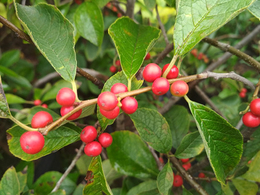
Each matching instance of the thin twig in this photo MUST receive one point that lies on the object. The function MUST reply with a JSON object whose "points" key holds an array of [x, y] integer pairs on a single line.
{"points": [[164, 53], [130, 8], [199, 166], [227, 36], [72, 164], [159, 164], [90, 77], [161, 26]]}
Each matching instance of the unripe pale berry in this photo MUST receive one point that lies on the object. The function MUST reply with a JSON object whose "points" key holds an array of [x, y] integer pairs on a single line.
{"points": [[41, 119], [32, 142], [148, 56], [118, 88], [151, 72], [66, 97], [37, 102], [112, 69], [105, 139], [160, 86], [112, 114], [186, 166], [251, 120], [88, 134], [66, 109], [177, 181], [93, 149], [107, 101], [174, 72], [179, 88], [129, 105], [255, 107]]}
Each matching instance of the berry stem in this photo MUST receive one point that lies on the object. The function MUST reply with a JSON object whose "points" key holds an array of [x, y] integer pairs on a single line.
{"points": [[179, 63], [21, 124], [170, 66], [74, 88], [129, 84]]}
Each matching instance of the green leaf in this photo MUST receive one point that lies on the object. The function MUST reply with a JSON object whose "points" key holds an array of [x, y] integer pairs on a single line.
{"points": [[96, 183], [179, 122], [165, 179], [129, 183], [186, 192], [82, 164], [58, 192], [170, 2], [9, 58], [191, 145], [101, 3], [4, 108], [13, 99], [245, 187], [253, 174], [223, 143], [143, 187], [79, 190], [22, 178], [129, 155], [150, 4], [132, 42], [10, 183], [45, 184], [254, 9], [153, 128], [119, 77], [52, 34], [110, 173], [197, 19], [55, 140]]}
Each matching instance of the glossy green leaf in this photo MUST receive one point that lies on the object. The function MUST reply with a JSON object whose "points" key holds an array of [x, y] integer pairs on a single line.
{"points": [[165, 179], [170, 2], [197, 19], [254, 9], [179, 122], [110, 173], [245, 187], [58, 192], [55, 140], [52, 34], [132, 42], [253, 173], [14, 99], [101, 3], [150, 4], [22, 178], [89, 22], [191, 146], [9, 58], [186, 192], [10, 183], [82, 164], [97, 183], [45, 184], [119, 77], [223, 143], [226, 189], [129, 155], [79, 190], [143, 187], [153, 128], [4, 108]]}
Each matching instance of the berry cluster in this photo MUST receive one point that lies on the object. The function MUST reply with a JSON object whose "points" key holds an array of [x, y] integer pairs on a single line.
{"points": [[39, 102], [113, 8], [152, 73], [252, 118], [114, 68], [186, 164], [108, 103], [242, 93], [199, 56], [94, 148]]}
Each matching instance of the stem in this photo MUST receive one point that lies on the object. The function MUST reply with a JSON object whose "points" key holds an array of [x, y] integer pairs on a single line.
{"points": [[179, 63], [170, 66], [93, 79], [21, 124], [129, 84], [74, 88]]}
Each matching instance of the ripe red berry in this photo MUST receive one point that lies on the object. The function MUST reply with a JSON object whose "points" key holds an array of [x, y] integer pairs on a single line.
{"points": [[148, 56], [93, 149], [105, 139], [129, 105], [200, 56], [179, 88], [112, 114], [161, 160], [78, 2], [151, 72], [194, 52], [184, 160], [160, 86], [242, 94], [174, 72], [201, 175], [177, 181], [66, 97], [119, 15], [88, 134], [251, 120], [44, 105], [41, 119], [107, 101], [118, 88], [37, 102], [32, 142], [255, 107], [118, 63], [244, 90], [186, 166], [112, 69], [66, 109]]}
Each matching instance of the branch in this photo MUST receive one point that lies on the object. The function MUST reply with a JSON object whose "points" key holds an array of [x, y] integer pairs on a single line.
{"points": [[161, 26], [164, 53], [130, 8], [90, 77], [199, 166], [159, 164]]}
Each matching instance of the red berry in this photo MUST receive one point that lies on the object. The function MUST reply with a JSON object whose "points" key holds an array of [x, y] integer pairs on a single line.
{"points": [[112, 114], [201, 175], [114, 9], [174, 72], [184, 160], [41, 119], [151, 72], [32, 142], [194, 52], [78, 2], [93, 149], [200, 56], [179, 88], [37, 102], [105, 139], [118, 63], [255, 107], [88, 134], [119, 15], [45, 106], [129, 105], [206, 60], [107, 101], [148, 56], [112, 69], [244, 90], [161, 160], [242, 94], [186, 166], [118, 88], [177, 181], [160, 86], [66, 97], [66, 109], [251, 120]]}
